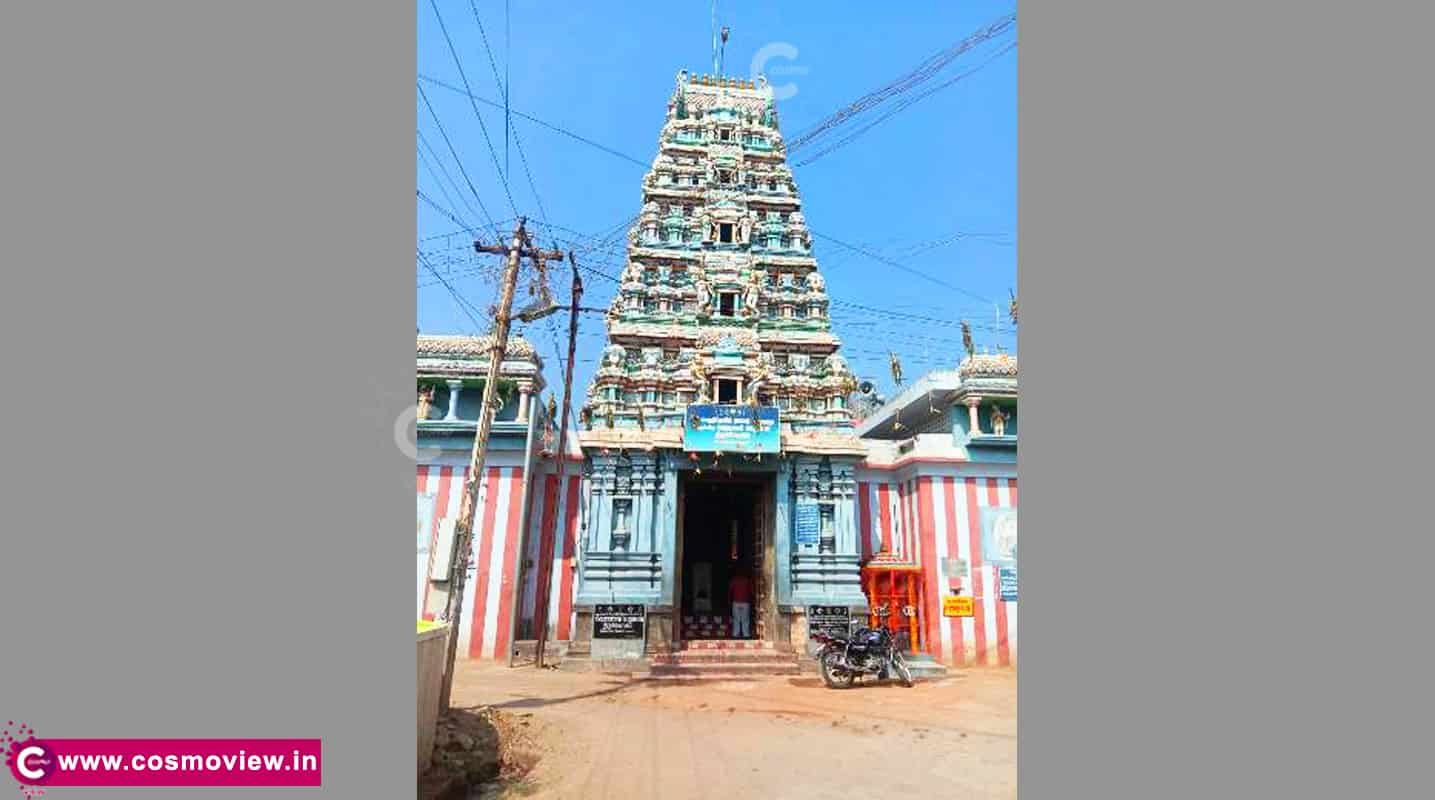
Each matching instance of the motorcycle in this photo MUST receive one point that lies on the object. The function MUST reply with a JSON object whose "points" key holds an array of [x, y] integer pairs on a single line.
{"points": [[863, 651]]}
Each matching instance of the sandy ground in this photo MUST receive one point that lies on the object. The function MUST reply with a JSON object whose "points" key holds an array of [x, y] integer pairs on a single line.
{"points": [[604, 736]]}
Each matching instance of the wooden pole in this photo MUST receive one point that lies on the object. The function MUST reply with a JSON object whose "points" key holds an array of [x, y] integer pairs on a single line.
{"points": [[463, 530]]}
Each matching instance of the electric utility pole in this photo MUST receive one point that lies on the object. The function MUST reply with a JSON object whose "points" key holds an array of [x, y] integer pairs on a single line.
{"points": [[545, 570], [463, 530]]}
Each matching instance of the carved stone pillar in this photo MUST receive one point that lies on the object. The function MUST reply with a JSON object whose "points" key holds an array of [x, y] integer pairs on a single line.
{"points": [[525, 391], [454, 389], [973, 403]]}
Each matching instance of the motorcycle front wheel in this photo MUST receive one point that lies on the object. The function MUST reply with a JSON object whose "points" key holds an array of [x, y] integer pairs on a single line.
{"points": [[832, 673], [899, 662]]}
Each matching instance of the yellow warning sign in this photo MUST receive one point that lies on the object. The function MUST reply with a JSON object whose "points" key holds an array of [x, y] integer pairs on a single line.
{"points": [[956, 606]]}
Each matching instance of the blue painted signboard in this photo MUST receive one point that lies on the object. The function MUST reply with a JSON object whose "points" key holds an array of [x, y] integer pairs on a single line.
{"points": [[808, 523], [731, 429], [1006, 579]]}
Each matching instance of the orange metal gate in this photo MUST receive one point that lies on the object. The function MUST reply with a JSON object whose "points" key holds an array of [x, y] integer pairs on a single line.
{"points": [[898, 589]]}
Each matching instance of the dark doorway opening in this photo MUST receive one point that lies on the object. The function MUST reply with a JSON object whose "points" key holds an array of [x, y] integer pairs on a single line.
{"points": [[721, 540], [727, 391]]}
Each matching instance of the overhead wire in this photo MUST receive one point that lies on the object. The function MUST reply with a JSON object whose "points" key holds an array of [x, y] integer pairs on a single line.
{"points": [[458, 63], [462, 171], [915, 77], [517, 142], [434, 157], [458, 299], [903, 106]]}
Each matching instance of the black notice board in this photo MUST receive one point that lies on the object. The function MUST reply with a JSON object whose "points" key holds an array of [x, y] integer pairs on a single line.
{"points": [[829, 620], [618, 621]]}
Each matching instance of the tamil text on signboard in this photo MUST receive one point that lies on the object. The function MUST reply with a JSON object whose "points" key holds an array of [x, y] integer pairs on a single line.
{"points": [[828, 620], [807, 523], [1007, 580], [956, 606], [623, 621], [731, 429]]}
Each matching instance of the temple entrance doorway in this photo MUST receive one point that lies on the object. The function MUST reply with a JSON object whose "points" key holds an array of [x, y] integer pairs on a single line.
{"points": [[724, 556]]}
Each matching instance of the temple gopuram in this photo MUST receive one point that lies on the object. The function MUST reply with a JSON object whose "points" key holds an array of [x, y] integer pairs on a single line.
{"points": [[716, 432]]}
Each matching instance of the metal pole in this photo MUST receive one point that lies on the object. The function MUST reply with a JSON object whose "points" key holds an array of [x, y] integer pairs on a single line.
{"points": [[458, 569], [527, 496], [545, 571]]}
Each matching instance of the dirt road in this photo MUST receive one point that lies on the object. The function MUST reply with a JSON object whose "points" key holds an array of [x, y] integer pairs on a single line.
{"points": [[603, 736]]}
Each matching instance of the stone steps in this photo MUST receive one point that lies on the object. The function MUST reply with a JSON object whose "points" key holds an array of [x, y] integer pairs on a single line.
{"points": [[724, 670], [723, 657], [727, 644]]}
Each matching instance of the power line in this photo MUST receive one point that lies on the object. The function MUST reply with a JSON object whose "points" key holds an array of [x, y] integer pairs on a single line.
{"points": [[923, 72], [904, 105], [904, 268], [507, 77], [522, 157], [463, 305], [555, 128], [457, 160], [882, 312], [481, 126], [444, 171], [988, 238], [440, 209], [431, 173]]}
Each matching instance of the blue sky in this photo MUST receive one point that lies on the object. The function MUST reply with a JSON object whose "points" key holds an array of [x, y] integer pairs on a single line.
{"points": [[933, 187]]}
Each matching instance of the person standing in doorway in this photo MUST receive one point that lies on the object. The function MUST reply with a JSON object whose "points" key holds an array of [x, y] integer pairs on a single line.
{"points": [[739, 593]]}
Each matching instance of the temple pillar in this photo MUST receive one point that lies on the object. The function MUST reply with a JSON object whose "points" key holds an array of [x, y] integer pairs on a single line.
{"points": [[973, 403], [454, 389], [525, 391]]}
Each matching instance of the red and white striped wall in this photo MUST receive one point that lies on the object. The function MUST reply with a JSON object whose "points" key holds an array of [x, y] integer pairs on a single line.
{"points": [[488, 590], [556, 511], [924, 516], [885, 519]]}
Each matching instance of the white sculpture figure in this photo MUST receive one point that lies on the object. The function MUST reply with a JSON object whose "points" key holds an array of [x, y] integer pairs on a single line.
{"points": [[744, 229], [633, 273], [705, 295], [1004, 537], [752, 292], [700, 379], [758, 380], [614, 355], [816, 283], [707, 226], [998, 421]]}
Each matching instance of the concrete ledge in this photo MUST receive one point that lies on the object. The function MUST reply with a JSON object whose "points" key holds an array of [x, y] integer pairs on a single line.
{"points": [[432, 648]]}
